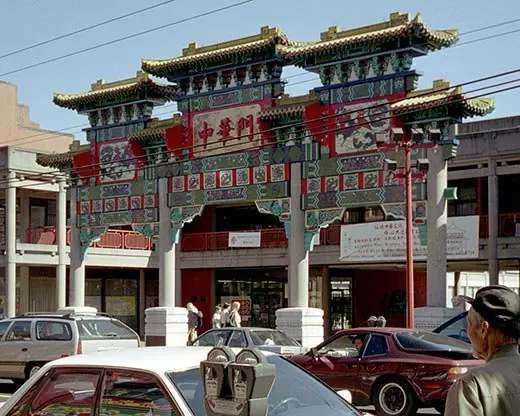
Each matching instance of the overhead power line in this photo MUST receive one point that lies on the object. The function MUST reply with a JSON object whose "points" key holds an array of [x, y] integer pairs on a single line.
{"points": [[134, 35], [324, 131], [272, 130], [85, 29], [12, 142]]}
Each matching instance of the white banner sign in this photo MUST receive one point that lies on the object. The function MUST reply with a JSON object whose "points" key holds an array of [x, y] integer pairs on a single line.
{"points": [[386, 240], [243, 240]]}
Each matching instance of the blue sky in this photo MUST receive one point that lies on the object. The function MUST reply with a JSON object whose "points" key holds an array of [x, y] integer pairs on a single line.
{"points": [[25, 22]]}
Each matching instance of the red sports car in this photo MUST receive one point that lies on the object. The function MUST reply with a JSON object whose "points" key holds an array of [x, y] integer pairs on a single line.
{"points": [[397, 370]]}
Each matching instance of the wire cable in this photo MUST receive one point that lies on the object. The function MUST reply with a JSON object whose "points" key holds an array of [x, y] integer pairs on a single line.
{"points": [[134, 35], [85, 29]]}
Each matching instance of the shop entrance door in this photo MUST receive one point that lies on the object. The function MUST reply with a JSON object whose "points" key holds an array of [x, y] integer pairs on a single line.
{"points": [[340, 303]]}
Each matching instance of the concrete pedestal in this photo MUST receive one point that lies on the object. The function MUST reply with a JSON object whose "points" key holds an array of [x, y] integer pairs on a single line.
{"points": [[166, 326], [429, 317], [303, 324]]}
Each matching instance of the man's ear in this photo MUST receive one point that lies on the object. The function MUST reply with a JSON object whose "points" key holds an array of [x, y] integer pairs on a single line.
{"points": [[484, 327]]}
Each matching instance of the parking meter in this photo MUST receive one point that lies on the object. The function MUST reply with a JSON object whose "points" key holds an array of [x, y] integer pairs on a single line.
{"points": [[236, 387], [251, 378]]}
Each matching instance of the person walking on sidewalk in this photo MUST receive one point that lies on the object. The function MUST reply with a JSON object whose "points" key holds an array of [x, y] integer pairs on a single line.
{"points": [[234, 319], [224, 315], [494, 330], [194, 322]]}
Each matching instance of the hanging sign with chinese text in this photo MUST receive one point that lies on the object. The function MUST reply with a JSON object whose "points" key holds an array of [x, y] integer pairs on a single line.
{"points": [[244, 239], [386, 240], [229, 130]]}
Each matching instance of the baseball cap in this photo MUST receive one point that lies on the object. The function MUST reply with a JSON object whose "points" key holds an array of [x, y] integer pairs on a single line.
{"points": [[500, 306]]}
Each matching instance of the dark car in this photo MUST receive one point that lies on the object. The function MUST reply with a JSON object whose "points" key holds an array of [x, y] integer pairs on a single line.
{"points": [[397, 370], [456, 327], [266, 339]]}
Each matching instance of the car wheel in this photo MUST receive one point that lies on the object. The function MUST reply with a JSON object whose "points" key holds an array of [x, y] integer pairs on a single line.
{"points": [[394, 398], [31, 369]]}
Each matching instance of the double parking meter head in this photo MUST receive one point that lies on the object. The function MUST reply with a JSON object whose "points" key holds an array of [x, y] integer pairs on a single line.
{"points": [[237, 386]]}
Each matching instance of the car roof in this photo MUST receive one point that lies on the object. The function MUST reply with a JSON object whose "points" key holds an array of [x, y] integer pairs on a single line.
{"points": [[245, 328], [378, 330], [156, 359]]}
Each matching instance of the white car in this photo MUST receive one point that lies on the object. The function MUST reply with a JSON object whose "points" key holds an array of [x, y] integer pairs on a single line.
{"points": [[163, 381], [29, 341]]}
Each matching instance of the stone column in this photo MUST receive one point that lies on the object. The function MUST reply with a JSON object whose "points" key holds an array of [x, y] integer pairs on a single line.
{"points": [[77, 260], [142, 301], [166, 249], [298, 320], [10, 246], [61, 241], [437, 218], [298, 255], [493, 266], [178, 275], [166, 325]]}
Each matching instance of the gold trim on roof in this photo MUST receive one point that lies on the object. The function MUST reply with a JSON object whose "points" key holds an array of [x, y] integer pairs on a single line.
{"points": [[442, 94], [286, 105], [398, 26], [194, 52], [58, 159], [156, 128], [101, 89]]}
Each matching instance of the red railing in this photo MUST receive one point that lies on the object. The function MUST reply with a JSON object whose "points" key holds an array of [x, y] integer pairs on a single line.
{"points": [[269, 238], [112, 239]]}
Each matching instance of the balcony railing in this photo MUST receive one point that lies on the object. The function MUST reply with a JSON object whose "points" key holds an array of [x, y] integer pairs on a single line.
{"points": [[112, 239], [269, 238]]}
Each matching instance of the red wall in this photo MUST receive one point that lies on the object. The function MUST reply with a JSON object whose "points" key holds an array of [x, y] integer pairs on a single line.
{"points": [[196, 288], [202, 224], [373, 294]]}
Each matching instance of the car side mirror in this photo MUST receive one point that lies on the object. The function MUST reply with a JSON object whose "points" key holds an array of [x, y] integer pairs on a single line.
{"points": [[314, 352]]}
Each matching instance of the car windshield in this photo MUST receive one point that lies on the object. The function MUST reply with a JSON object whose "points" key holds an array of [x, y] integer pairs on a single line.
{"points": [[428, 341], [103, 329], [294, 392], [271, 337]]}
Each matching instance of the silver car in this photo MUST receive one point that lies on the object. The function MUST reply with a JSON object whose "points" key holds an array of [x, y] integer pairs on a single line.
{"points": [[29, 341], [265, 339]]}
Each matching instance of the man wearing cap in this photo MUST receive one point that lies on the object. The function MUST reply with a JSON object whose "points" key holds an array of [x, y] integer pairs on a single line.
{"points": [[494, 329]]}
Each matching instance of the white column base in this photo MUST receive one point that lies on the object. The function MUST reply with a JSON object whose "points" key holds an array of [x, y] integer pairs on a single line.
{"points": [[305, 325], [166, 326], [430, 317]]}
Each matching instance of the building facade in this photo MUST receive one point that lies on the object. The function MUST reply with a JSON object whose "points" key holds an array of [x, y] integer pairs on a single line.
{"points": [[259, 182]]}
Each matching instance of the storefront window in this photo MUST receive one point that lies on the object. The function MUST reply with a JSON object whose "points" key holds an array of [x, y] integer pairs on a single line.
{"points": [[121, 300], [93, 293], [260, 293], [340, 304], [315, 292]]}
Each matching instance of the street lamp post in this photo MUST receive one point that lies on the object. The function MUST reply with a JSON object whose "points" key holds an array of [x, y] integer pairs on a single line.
{"points": [[410, 296], [422, 167]]}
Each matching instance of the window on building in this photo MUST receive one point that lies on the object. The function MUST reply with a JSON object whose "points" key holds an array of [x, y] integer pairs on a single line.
{"points": [[467, 198]]}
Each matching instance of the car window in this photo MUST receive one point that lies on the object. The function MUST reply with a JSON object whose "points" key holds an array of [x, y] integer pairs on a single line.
{"points": [[22, 406], [67, 393], [213, 338], [344, 346], [53, 331], [20, 331], [133, 394], [294, 392], [237, 340], [377, 345], [104, 329], [3, 328], [271, 337], [428, 341], [457, 329]]}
